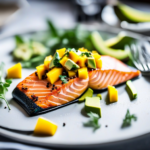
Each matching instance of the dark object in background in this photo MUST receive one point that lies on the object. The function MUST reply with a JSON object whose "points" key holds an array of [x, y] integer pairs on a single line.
{"points": [[89, 10]]}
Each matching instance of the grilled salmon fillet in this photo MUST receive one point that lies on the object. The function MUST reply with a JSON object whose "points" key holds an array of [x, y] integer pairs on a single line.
{"points": [[46, 95], [113, 72], [37, 95]]}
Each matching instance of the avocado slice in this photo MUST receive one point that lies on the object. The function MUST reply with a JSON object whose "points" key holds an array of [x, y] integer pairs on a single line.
{"points": [[88, 93], [38, 48], [23, 52], [55, 61], [92, 104], [71, 65], [129, 14], [91, 62], [101, 48], [119, 41]]}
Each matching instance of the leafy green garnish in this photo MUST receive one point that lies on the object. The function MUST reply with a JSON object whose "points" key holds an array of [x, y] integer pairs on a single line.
{"points": [[63, 78], [18, 40], [53, 30], [128, 119], [56, 60], [86, 53], [33, 62], [4, 84], [93, 122]]}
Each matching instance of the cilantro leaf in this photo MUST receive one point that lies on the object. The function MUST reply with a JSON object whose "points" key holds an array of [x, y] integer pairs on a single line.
{"points": [[128, 119], [93, 122], [56, 60], [86, 53], [74, 67], [63, 78], [4, 84]]}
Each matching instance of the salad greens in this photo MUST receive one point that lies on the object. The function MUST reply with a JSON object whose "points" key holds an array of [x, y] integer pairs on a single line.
{"points": [[93, 122], [63, 78], [56, 39], [128, 119], [4, 84]]}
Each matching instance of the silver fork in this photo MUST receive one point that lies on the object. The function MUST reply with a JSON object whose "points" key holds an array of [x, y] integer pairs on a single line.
{"points": [[140, 56]]}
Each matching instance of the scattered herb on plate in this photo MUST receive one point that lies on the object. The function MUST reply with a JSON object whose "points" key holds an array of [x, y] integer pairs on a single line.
{"points": [[4, 84], [128, 119], [63, 78], [93, 122]]}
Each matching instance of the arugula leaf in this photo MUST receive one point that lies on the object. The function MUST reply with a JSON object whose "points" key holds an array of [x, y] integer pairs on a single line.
{"points": [[18, 40], [4, 84], [53, 30], [33, 62], [93, 122], [128, 119], [63, 78]]}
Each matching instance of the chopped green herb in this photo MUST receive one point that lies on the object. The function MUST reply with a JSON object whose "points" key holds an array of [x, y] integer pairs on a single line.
{"points": [[63, 78], [56, 60], [131, 89], [4, 84], [128, 119], [86, 53], [93, 122]]}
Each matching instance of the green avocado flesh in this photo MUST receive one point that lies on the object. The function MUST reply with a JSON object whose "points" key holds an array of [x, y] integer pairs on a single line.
{"points": [[23, 52], [88, 93], [91, 62], [55, 59], [119, 41], [92, 104], [126, 13], [71, 65], [102, 49]]}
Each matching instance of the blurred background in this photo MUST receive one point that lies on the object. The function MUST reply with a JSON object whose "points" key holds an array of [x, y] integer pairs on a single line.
{"points": [[56, 23]]}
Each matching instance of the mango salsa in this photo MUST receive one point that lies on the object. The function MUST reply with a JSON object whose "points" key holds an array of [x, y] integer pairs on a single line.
{"points": [[47, 61], [83, 73], [98, 63], [63, 60], [113, 94], [53, 75], [71, 73], [40, 71], [15, 71], [82, 61], [73, 56], [61, 52], [82, 49], [45, 127]]}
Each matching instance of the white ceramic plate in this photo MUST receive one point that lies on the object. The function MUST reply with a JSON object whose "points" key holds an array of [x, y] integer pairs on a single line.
{"points": [[74, 133]]}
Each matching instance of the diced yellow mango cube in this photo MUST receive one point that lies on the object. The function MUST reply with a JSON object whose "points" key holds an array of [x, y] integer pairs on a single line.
{"points": [[47, 61], [61, 52], [15, 71], [94, 52], [113, 94], [63, 60], [53, 75], [83, 73], [82, 49], [82, 61], [96, 56], [71, 73], [98, 63], [45, 127], [40, 71], [73, 56]]}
